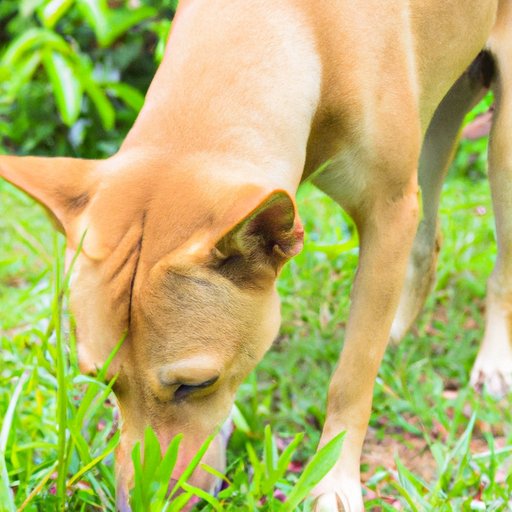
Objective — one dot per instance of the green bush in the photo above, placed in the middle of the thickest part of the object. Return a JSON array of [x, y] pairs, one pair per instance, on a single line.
[[94, 58]]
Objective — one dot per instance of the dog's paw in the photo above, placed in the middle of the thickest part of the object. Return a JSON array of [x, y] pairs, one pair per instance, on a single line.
[[493, 375], [333, 495], [329, 502]]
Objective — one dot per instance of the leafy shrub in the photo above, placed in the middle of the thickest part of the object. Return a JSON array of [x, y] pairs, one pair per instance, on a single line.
[[95, 60]]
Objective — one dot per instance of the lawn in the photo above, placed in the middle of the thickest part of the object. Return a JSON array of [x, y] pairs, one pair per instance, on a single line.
[[433, 444]]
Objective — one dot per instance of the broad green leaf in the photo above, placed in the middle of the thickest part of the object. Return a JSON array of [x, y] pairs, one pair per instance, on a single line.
[[96, 14], [6, 73], [109, 24], [66, 86], [162, 29], [101, 102], [321, 463], [27, 7], [24, 71], [26, 68], [131, 96], [53, 11], [122, 20], [31, 40]]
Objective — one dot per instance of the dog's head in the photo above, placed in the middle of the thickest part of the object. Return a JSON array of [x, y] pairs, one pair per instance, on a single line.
[[188, 276]]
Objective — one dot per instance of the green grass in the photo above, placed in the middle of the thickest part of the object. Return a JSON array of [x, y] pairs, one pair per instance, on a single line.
[[433, 443]]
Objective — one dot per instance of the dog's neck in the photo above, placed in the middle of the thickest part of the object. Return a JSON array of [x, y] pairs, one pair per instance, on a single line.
[[251, 116]]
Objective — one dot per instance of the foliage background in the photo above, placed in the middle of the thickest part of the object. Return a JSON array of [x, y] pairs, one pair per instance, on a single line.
[[72, 78], [73, 72]]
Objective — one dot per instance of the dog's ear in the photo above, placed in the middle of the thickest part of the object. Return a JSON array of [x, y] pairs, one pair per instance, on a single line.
[[64, 186], [264, 239]]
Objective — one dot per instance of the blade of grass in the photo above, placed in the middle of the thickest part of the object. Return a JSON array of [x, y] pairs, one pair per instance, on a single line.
[[62, 387], [286, 456], [108, 450], [6, 496], [39, 487], [92, 391], [321, 463], [193, 464], [410, 486], [178, 503], [7, 421], [269, 456], [215, 473], [164, 471], [211, 500]]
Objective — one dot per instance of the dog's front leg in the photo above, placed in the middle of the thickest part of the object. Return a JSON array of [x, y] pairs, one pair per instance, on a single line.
[[387, 222]]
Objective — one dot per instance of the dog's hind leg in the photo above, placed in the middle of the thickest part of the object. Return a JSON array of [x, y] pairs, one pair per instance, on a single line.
[[436, 155], [493, 366]]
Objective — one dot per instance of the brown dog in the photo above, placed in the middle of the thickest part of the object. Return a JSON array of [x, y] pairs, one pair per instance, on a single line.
[[189, 224]]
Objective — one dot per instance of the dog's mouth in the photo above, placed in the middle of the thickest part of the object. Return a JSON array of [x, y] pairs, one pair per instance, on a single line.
[[123, 493]]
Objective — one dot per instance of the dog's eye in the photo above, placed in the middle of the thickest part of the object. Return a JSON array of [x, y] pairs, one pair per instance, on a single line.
[[184, 390]]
